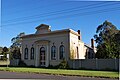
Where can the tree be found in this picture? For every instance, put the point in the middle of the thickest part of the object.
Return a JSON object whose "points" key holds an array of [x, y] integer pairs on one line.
{"points": [[4, 52], [107, 39], [1, 50], [16, 53], [15, 47], [117, 42], [16, 40], [5, 49]]}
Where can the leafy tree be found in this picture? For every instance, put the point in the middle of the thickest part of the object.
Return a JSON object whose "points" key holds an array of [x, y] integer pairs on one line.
{"points": [[16, 40], [116, 40], [5, 49], [107, 39], [15, 47], [16, 53], [1, 50], [5, 52]]}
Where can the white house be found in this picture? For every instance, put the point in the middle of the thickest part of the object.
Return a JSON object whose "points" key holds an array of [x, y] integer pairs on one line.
{"points": [[47, 47], [1, 56]]}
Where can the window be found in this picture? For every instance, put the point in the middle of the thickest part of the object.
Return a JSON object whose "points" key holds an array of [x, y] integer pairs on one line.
{"points": [[77, 53], [32, 53], [62, 51], [26, 53], [42, 56], [53, 53]]}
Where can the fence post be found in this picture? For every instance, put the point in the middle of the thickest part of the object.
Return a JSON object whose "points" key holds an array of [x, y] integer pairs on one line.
{"points": [[80, 61], [96, 63], [73, 64], [115, 64]]}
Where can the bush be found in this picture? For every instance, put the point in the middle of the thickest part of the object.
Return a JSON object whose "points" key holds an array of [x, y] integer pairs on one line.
{"points": [[22, 64], [52, 67], [63, 65], [32, 66], [82, 68], [4, 58]]}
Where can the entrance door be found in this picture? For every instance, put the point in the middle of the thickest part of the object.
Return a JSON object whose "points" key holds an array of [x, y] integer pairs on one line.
{"points": [[42, 56]]}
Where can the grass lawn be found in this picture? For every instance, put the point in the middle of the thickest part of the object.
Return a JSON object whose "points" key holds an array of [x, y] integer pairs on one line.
{"points": [[86, 73]]}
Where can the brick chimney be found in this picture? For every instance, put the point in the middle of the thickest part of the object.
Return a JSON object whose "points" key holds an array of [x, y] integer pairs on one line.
{"points": [[79, 37], [92, 43]]}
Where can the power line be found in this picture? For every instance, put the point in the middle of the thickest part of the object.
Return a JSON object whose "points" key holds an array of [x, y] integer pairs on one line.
{"points": [[56, 11], [60, 12], [77, 14], [26, 10], [22, 21], [16, 6]]}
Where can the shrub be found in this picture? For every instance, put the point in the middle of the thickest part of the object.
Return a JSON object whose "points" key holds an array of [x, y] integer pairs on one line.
{"points": [[52, 67], [22, 64], [32, 66], [63, 65], [82, 68]]}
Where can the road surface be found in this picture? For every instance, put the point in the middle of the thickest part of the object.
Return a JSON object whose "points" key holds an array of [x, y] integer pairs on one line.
{"points": [[18, 75]]}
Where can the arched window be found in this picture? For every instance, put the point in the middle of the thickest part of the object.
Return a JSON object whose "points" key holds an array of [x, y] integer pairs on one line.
{"points": [[62, 51], [42, 56], [26, 53], [42, 49], [53, 53], [32, 53]]}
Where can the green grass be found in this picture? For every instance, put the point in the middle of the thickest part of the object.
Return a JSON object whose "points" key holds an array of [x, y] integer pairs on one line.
{"points": [[86, 73]]}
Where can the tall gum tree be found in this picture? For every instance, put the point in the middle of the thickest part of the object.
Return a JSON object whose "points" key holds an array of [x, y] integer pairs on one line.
{"points": [[107, 38]]}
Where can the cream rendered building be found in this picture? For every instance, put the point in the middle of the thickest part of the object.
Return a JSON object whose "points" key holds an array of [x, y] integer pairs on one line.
{"points": [[47, 47]]}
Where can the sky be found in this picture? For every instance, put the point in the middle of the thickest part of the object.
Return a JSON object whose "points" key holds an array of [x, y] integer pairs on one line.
{"points": [[24, 15]]}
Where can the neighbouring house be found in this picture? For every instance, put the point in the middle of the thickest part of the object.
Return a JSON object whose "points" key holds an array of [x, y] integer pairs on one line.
{"points": [[1, 56], [47, 47]]}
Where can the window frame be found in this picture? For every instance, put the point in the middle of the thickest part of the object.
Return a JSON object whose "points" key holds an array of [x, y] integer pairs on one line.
{"points": [[26, 53], [77, 51], [61, 52], [53, 52], [32, 53]]}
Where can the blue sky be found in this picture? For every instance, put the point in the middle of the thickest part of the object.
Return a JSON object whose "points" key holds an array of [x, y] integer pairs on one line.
{"points": [[24, 15]]}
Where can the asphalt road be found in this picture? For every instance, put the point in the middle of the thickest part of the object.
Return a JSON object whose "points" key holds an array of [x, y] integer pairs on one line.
{"points": [[15, 75]]}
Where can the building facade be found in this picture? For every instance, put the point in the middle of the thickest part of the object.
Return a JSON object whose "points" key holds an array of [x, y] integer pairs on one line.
{"points": [[47, 47]]}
